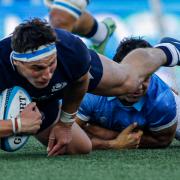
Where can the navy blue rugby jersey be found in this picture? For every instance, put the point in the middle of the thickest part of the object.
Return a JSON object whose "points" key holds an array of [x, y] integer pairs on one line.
{"points": [[74, 60]]}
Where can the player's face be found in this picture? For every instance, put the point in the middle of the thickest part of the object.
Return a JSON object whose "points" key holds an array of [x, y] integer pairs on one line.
{"points": [[134, 97], [38, 73]]}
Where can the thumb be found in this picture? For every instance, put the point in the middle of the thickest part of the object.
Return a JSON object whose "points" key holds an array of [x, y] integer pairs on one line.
{"points": [[140, 133], [130, 128]]}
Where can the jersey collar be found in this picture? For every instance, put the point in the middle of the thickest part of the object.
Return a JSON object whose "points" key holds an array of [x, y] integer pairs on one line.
{"points": [[138, 105]]}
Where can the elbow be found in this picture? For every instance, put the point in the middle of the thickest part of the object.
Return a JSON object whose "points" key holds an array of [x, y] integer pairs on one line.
{"points": [[164, 143]]}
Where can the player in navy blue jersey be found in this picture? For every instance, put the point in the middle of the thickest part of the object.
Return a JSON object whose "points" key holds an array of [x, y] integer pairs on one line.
{"points": [[52, 64], [153, 110], [73, 16]]}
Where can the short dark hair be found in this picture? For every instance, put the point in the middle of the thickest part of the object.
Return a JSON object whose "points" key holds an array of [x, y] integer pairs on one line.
{"points": [[129, 44], [31, 34]]}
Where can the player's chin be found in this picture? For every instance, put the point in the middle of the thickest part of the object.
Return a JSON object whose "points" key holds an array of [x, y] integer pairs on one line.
{"points": [[41, 85], [133, 99]]}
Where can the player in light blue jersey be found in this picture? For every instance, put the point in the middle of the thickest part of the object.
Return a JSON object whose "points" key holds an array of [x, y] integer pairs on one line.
{"points": [[73, 16], [53, 64], [154, 107]]}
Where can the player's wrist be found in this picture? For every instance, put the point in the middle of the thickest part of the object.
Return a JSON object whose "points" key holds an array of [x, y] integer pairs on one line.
{"points": [[113, 144], [67, 118], [16, 124]]}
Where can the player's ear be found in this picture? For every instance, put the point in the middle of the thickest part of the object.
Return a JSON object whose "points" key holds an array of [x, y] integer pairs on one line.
{"points": [[16, 63]]}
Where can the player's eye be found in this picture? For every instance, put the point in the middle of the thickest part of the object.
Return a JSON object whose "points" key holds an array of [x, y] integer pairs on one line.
{"points": [[38, 68]]}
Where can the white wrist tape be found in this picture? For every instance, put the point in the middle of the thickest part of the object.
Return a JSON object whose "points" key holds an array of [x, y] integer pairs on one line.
{"points": [[16, 124], [13, 125], [67, 117], [19, 123]]}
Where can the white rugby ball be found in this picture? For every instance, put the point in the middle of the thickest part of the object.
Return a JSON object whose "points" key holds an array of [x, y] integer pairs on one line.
{"points": [[12, 102]]}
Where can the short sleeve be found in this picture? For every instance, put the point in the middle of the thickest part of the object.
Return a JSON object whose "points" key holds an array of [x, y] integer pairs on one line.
{"points": [[73, 55], [163, 113], [86, 109]]}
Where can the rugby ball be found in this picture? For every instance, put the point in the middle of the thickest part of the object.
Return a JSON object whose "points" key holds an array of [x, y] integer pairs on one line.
{"points": [[12, 102]]}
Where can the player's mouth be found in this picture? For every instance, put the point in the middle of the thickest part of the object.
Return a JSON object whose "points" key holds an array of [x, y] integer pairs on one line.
{"points": [[42, 83]]}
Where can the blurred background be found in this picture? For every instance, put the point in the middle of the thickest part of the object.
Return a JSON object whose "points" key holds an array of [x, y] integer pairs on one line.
{"points": [[151, 19]]}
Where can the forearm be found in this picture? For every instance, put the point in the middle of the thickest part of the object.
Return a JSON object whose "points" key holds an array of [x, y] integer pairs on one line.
{"points": [[5, 128], [145, 61], [74, 94], [100, 132], [150, 141], [101, 144]]}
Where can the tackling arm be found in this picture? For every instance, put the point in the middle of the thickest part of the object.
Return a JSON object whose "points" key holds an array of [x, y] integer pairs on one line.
{"points": [[103, 138], [143, 62]]}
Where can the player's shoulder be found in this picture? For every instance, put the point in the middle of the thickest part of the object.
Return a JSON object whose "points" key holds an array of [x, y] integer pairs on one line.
{"points": [[158, 94], [160, 97], [70, 43], [5, 50], [94, 99], [157, 85], [65, 36], [5, 42], [72, 54]]}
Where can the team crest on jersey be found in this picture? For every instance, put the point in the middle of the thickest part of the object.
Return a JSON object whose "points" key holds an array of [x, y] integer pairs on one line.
{"points": [[58, 86]]}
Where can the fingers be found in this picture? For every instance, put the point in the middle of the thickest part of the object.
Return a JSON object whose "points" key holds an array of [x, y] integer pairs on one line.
{"points": [[57, 150], [51, 143], [140, 133], [31, 106], [134, 139]]}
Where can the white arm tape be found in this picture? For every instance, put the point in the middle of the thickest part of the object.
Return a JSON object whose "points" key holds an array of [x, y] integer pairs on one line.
{"points": [[172, 53], [67, 117], [74, 7]]}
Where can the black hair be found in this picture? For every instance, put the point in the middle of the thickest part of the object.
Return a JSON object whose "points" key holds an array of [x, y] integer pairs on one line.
{"points": [[31, 34], [129, 44]]}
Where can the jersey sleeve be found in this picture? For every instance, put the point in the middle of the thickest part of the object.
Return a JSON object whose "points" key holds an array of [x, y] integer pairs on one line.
{"points": [[73, 55], [86, 109], [163, 113]]}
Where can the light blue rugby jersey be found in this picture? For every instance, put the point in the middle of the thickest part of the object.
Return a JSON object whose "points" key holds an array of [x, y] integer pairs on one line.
{"points": [[155, 111]]}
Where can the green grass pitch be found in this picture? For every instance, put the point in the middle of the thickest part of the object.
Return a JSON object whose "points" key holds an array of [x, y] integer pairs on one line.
{"points": [[32, 163]]}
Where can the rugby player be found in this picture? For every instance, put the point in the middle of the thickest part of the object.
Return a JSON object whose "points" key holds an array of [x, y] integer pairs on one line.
{"points": [[73, 16], [52, 64], [153, 110]]}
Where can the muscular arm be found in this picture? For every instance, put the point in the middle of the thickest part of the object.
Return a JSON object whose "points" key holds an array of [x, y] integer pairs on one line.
{"points": [[126, 77], [74, 94], [160, 139], [97, 131], [103, 138]]}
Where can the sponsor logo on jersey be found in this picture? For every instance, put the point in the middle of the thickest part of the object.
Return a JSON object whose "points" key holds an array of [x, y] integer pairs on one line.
{"points": [[58, 86]]}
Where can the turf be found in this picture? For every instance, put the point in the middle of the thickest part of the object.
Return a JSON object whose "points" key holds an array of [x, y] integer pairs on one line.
{"points": [[31, 162]]}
